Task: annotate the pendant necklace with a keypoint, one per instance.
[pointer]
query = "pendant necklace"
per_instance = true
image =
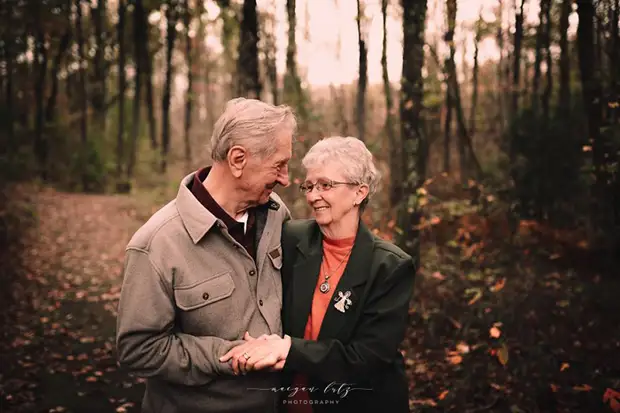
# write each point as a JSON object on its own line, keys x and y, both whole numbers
{"x": 324, "y": 287}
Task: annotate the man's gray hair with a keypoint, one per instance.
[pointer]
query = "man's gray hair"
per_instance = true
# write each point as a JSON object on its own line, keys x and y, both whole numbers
{"x": 352, "y": 156}
{"x": 253, "y": 124}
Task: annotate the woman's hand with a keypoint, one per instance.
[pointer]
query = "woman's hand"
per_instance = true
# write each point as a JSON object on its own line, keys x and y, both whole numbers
{"x": 265, "y": 352}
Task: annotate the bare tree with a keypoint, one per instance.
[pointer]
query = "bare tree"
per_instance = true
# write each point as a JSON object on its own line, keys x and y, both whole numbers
{"x": 98, "y": 85}
{"x": 139, "y": 40}
{"x": 187, "y": 17}
{"x": 171, "y": 21}
{"x": 40, "y": 54}
{"x": 565, "y": 94}
{"x": 415, "y": 145}
{"x": 248, "y": 82}
{"x": 394, "y": 143}
{"x": 122, "y": 85}
{"x": 363, "y": 71}
{"x": 82, "y": 88}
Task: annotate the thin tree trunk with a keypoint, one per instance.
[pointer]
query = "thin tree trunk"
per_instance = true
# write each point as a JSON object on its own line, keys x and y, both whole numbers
{"x": 546, "y": 96}
{"x": 50, "y": 110}
{"x": 501, "y": 81}
{"x": 189, "y": 95}
{"x": 171, "y": 20}
{"x": 122, "y": 86}
{"x": 516, "y": 68}
{"x": 395, "y": 164}
{"x": 41, "y": 59}
{"x": 540, "y": 40}
{"x": 292, "y": 84}
{"x": 474, "y": 93}
{"x": 415, "y": 145}
{"x": 447, "y": 129}
{"x": 602, "y": 155}
{"x": 10, "y": 101}
{"x": 564, "y": 104}
{"x": 247, "y": 64}
{"x": 229, "y": 26}
{"x": 138, "y": 32}
{"x": 99, "y": 85}
{"x": 148, "y": 77}
{"x": 83, "y": 93}
{"x": 363, "y": 74}
{"x": 270, "y": 53}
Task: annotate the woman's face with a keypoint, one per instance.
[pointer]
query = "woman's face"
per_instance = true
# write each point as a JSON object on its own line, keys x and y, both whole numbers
{"x": 334, "y": 205}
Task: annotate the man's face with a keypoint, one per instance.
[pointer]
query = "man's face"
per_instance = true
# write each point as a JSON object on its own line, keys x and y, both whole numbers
{"x": 262, "y": 175}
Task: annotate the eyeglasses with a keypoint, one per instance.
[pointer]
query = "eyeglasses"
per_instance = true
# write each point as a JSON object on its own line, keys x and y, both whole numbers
{"x": 322, "y": 185}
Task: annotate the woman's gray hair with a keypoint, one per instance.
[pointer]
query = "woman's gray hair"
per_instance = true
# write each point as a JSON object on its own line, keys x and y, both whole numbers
{"x": 253, "y": 124}
{"x": 353, "y": 158}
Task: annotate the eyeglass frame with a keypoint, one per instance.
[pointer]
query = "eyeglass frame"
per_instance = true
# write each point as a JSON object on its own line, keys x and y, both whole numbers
{"x": 331, "y": 183}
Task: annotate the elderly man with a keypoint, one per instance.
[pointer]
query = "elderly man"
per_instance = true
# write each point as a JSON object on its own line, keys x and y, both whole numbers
{"x": 205, "y": 270}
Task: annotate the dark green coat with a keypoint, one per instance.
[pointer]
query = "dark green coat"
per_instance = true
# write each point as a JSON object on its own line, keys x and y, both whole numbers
{"x": 358, "y": 347}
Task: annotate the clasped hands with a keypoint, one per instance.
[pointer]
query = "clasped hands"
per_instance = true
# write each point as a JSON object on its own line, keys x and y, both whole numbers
{"x": 264, "y": 352}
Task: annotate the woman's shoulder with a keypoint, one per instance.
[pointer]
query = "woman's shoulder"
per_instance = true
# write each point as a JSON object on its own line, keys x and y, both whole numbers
{"x": 386, "y": 250}
{"x": 297, "y": 228}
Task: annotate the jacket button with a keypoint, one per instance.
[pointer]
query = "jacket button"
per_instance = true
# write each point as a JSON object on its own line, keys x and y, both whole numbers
{"x": 252, "y": 272}
{"x": 205, "y": 296}
{"x": 260, "y": 302}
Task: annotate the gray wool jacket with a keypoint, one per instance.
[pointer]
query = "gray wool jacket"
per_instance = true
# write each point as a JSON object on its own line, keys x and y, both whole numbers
{"x": 189, "y": 294}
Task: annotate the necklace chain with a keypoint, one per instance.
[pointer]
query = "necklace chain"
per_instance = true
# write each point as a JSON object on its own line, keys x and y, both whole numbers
{"x": 328, "y": 276}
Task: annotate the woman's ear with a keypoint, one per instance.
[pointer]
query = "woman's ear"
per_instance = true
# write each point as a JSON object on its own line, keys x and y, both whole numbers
{"x": 361, "y": 193}
{"x": 237, "y": 160}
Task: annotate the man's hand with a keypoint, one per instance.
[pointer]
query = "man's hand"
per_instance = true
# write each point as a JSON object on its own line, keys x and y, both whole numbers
{"x": 265, "y": 352}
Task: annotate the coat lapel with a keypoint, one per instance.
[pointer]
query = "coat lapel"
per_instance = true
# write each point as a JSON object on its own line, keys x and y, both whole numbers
{"x": 305, "y": 275}
{"x": 354, "y": 277}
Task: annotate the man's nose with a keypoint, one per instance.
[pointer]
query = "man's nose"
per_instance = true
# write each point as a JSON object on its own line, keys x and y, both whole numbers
{"x": 283, "y": 177}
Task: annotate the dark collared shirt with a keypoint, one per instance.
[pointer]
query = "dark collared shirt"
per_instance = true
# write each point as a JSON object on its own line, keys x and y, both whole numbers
{"x": 246, "y": 238}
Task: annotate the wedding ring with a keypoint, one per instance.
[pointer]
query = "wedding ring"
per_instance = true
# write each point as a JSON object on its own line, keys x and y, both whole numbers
{"x": 246, "y": 356}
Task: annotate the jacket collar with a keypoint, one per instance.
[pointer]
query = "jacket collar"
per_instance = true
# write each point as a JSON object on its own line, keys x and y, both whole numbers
{"x": 307, "y": 270}
{"x": 197, "y": 219}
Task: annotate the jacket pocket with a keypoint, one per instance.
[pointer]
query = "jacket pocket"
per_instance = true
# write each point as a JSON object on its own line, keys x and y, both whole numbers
{"x": 275, "y": 255}
{"x": 204, "y": 292}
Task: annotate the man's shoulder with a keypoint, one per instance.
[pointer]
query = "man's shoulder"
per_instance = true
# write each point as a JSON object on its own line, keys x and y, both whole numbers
{"x": 156, "y": 226}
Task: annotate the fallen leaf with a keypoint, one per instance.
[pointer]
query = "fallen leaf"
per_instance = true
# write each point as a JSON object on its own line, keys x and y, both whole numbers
{"x": 554, "y": 388}
{"x": 476, "y": 297}
{"x": 498, "y": 285}
{"x": 438, "y": 276}
{"x": 584, "y": 387}
{"x": 455, "y": 358}
{"x": 495, "y": 332}
{"x": 443, "y": 395}
{"x": 612, "y": 397}
{"x": 462, "y": 348}
{"x": 502, "y": 355}
{"x": 91, "y": 379}
{"x": 424, "y": 402}
{"x": 564, "y": 366}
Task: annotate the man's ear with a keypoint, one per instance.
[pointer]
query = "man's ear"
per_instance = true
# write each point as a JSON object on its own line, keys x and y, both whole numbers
{"x": 237, "y": 160}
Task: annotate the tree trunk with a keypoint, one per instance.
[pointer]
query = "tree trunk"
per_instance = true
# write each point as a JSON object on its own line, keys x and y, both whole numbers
{"x": 474, "y": 93}
{"x": 247, "y": 64}
{"x": 292, "y": 84}
{"x": 516, "y": 68}
{"x": 393, "y": 141}
{"x": 229, "y": 27}
{"x": 41, "y": 145}
{"x": 363, "y": 74}
{"x": 501, "y": 81}
{"x": 171, "y": 19}
{"x": 189, "y": 95}
{"x": 50, "y": 110}
{"x": 415, "y": 146}
{"x": 122, "y": 86}
{"x": 83, "y": 93}
{"x": 148, "y": 77}
{"x": 602, "y": 155}
{"x": 447, "y": 128}
{"x": 546, "y": 96}
{"x": 139, "y": 40}
{"x": 10, "y": 101}
{"x": 565, "y": 94}
{"x": 99, "y": 84}
{"x": 270, "y": 53}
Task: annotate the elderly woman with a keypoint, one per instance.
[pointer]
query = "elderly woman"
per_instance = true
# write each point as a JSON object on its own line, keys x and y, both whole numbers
{"x": 346, "y": 296}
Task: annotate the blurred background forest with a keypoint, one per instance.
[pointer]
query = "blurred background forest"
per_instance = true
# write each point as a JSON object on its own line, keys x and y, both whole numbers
{"x": 495, "y": 123}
